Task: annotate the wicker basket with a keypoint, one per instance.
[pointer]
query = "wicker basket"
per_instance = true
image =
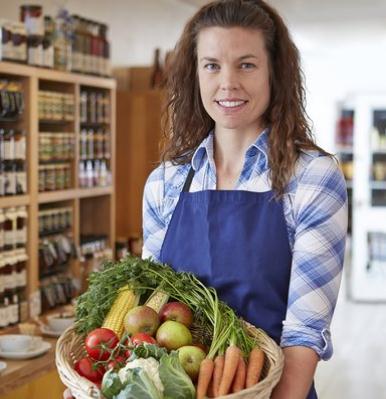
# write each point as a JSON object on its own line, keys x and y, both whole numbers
{"x": 70, "y": 348}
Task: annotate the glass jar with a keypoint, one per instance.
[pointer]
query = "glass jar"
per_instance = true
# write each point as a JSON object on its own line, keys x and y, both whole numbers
{"x": 9, "y": 145}
{"x": 9, "y": 229}
{"x": 2, "y": 228}
{"x": 9, "y": 178}
{"x": 83, "y": 107}
{"x": 35, "y": 50}
{"x": 42, "y": 178}
{"x": 32, "y": 16}
{"x": 106, "y": 144}
{"x": 20, "y": 145}
{"x": 50, "y": 178}
{"x": 21, "y": 227}
{"x": 21, "y": 178}
{"x": 67, "y": 176}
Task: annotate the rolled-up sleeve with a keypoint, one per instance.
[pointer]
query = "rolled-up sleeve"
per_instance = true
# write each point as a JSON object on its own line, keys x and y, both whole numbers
{"x": 320, "y": 215}
{"x": 152, "y": 221}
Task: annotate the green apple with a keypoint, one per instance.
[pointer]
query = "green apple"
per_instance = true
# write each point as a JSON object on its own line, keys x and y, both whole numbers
{"x": 172, "y": 335}
{"x": 141, "y": 319}
{"x": 190, "y": 357}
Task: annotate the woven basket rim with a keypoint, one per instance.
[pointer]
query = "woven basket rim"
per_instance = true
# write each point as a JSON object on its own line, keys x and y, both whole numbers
{"x": 70, "y": 345}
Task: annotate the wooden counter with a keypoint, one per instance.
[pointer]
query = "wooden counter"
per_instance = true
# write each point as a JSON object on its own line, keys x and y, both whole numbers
{"x": 34, "y": 378}
{"x": 21, "y": 372}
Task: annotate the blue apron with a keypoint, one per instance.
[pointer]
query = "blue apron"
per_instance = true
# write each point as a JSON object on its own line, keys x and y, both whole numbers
{"x": 237, "y": 242}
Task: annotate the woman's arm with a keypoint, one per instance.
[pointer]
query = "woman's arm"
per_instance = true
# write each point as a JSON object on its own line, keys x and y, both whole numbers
{"x": 299, "y": 368}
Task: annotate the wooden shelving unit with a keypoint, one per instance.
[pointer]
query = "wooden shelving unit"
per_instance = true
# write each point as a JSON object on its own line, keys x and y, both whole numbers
{"x": 85, "y": 203}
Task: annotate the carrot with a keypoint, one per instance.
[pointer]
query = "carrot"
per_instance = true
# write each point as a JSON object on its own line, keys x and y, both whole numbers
{"x": 204, "y": 377}
{"x": 217, "y": 373}
{"x": 255, "y": 366}
{"x": 232, "y": 356}
{"x": 239, "y": 380}
{"x": 210, "y": 393}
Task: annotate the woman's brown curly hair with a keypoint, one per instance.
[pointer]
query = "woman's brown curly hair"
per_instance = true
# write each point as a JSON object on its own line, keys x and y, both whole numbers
{"x": 188, "y": 123}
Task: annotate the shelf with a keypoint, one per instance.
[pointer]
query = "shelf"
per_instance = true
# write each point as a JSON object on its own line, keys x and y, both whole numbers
{"x": 63, "y": 195}
{"x": 53, "y": 196}
{"x": 94, "y": 124}
{"x": 11, "y": 120}
{"x": 378, "y": 185}
{"x": 94, "y": 192}
{"x": 55, "y": 122}
{"x": 383, "y": 151}
{"x": 14, "y": 200}
{"x": 12, "y": 68}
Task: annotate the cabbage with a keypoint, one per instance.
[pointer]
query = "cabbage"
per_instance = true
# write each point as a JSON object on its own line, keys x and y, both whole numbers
{"x": 177, "y": 384}
{"x": 139, "y": 386}
{"x": 150, "y": 365}
{"x": 111, "y": 384}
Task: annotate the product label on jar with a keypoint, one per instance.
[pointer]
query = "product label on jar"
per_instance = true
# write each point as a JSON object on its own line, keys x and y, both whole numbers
{"x": 9, "y": 150}
{"x": 20, "y": 147}
{"x": 8, "y": 281}
{"x": 22, "y": 278}
{"x": 1, "y": 242}
{"x": 3, "y": 316}
{"x": 21, "y": 237}
{"x": 14, "y": 279}
{"x": 48, "y": 57}
{"x": 2, "y": 184}
{"x": 34, "y": 26}
{"x": 9, "y": 238}
{"x": 21, "y": 182}
{"x": 10, "y": 183}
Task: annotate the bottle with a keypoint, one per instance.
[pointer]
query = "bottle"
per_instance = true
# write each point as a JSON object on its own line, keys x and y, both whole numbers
{"x": 157, "y": 74}
{"x": 48, "y": 39}
{"x": 62, "y": 41}
{"x": 82, "y": 175}
{"x": 89, "y": 174}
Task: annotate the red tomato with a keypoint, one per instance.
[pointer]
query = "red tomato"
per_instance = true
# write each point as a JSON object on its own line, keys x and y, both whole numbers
{"x": 88, "y": 369}
{"x": 116, "y": 363}
{"x": 100, "y": 342}
{"x": 140, "y": 338}
{"x": 127, "y": 354}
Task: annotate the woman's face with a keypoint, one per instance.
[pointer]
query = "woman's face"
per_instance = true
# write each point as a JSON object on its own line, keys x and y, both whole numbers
{"x": 233, "y": 73}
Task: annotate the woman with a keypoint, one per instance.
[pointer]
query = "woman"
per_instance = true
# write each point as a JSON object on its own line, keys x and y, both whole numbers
{"x": 244, "y": 198}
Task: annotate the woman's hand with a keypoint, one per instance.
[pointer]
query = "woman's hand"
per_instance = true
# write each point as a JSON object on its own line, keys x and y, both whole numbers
{"x": 299, "y": 369}
{"x": 67, "y": 394}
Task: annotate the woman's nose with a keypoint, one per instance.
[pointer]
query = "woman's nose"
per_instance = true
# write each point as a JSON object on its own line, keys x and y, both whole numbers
{"x": 229, "y": 79}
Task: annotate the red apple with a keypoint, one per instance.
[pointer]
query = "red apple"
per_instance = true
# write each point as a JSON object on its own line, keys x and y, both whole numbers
{"x": 176, "y": 311}
{"x": 140, "y": 338}
{"x": 141, "y": 319}
{"x": 172, "y": 335}
{"x": 190, "y": 357}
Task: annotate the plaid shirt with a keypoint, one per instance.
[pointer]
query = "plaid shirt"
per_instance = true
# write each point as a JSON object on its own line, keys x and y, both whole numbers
{"x": 315, "y": 209}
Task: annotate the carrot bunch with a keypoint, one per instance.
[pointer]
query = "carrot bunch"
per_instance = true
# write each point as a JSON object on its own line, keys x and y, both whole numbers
{"x": 229, "y": 373}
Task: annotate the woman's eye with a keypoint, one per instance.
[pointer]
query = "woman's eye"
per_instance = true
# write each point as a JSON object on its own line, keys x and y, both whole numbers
{"x": 247, "y": 65}
{"x": 211, "y": 67}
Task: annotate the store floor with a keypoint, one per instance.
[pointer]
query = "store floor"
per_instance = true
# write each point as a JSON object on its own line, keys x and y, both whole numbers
{"x": 357, "y": 368}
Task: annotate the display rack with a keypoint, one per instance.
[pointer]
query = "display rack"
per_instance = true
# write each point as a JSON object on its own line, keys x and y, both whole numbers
{"x": 92, "y": 207}
{"x": 364, "y": 165}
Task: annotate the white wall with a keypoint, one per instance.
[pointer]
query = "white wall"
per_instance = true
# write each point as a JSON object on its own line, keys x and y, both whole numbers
{"x": 136, "y": 27}
{"x": 338, "y": 62}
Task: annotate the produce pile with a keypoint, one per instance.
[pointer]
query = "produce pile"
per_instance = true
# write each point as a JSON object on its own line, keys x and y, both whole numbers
{"x": 153, "y": 333}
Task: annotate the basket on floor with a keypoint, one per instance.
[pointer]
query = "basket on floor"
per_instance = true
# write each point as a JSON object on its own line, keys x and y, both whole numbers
{"x": 70, "y": 348}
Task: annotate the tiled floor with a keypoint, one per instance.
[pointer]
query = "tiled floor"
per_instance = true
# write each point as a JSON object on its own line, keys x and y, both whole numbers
{"x": 357, "y": 369}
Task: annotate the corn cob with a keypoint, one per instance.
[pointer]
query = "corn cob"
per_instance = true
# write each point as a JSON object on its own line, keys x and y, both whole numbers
{"x": 125, "y": 301}
{"x": 157, "y": 299}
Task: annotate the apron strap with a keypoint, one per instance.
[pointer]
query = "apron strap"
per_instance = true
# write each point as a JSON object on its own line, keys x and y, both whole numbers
{"x": 188, "y": 181}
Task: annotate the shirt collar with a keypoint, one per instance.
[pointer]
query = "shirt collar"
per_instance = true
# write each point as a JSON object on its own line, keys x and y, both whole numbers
{"x": 205, "y": 150}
